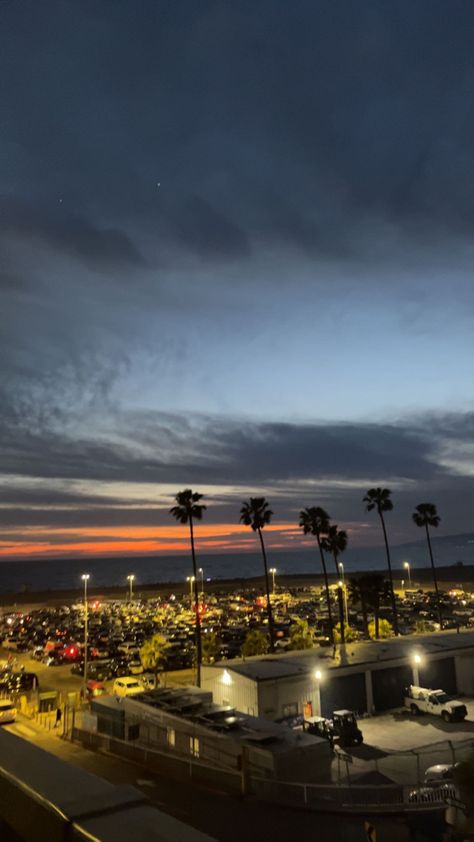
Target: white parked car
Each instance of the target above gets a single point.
(127, 686)
(440, 774)
(135, 667)
(7, 711)
(437, 702)
(128, 648)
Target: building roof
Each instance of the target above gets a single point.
(363, 654)
(220, 720)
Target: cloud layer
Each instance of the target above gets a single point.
(235, 252)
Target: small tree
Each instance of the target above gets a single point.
(154, 654)
(210, 647)
(350, 634)
(255, 643)
(301, 636)
(385, 628)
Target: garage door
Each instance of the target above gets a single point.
(388, 686)
(439, 675)
(344, 692)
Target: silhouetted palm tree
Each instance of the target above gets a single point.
(187, 510)
(379, 499)
(335, 542)
(255, 513)
(369, 589)
(315, 521)
(425, 514)
(358, 594)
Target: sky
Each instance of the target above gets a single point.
(235, 255)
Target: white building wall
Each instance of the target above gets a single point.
(287, 697)
(230, 688)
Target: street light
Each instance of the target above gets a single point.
(341, 571)
(201, 573)
(416, 672)
(273, 572)
(85, 578)
(130, 582)
(190, 579)
(407, 568)
(344, 592)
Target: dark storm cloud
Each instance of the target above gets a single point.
(222, 452)
(71, 235)
(205, 230)
(293, 122)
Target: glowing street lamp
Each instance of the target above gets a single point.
(190, 579)
(416, 669)
(273, 572)
(344, 593)
(130, 580)
(85, 578)
(407, 568)
(201, 573)
(341, 571)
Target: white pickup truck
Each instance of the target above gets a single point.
(422, 700)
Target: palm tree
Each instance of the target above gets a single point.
(187, 510)
(379, 499)
(369, 589)
(315, 521)
(335, 542)
(255, 513)
(425, 514)
(357, 594)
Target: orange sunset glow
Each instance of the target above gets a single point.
(45, 542)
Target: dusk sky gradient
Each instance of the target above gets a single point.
(236, 254)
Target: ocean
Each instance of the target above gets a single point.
(65, 574)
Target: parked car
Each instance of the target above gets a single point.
(127, 686)
(440, 774)
(437, 702)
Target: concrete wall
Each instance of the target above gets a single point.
(287, 697)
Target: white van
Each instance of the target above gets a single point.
(127, 686)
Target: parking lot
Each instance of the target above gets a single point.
(399, 747)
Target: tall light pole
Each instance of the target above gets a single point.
(341, 571)
(130, 580)
(85, 579)
(201, 573)
(407, 568)
(273, 572)
(344, 593)
(190, 579)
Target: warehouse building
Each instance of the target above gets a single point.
(367, 677)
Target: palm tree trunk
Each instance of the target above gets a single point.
(267, 588)
(326, 585)
(364, 613)
(390, 575)
(196, 608)
(435, 578)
